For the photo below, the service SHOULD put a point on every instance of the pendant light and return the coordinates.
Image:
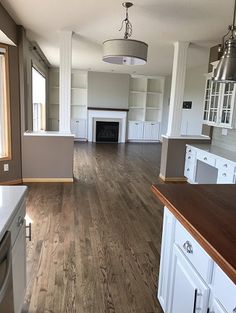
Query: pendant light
(125, 51)
(226, 69)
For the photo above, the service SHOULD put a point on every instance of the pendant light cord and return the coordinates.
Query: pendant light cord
(128, 25)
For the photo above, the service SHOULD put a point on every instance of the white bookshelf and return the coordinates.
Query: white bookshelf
(145, 106)
(79, 91)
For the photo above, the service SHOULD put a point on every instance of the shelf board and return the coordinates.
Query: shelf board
(139, 108)
(79, 105)
(137, 91)
(83, 88)
(153, 108)
(154, 93)
(53, 104)
(54, 87)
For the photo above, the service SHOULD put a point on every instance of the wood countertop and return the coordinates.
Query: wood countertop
(208, 212)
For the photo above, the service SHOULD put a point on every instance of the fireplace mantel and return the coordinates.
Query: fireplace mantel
(107, 109)
(107, 114)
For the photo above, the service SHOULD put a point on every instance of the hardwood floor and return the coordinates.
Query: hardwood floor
(96, 242)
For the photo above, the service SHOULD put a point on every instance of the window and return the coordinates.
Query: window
(5, 144)
(39, 99)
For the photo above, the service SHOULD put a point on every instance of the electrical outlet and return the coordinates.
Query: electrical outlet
(224, 131)
(6, 167)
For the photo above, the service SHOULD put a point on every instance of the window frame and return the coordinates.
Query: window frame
(8, 106)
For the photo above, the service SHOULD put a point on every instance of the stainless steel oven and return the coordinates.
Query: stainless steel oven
(6, 283)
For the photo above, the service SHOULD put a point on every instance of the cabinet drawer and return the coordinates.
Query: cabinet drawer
(17, 223)
(194, 252)
(224, 289)
(206, 158)
(225, 165)
(189, 170)
(225, 177)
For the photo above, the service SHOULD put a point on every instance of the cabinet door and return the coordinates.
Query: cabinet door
(227, 104)
(166, 257)
(78, 128)
(189, 292)
(207, 99)
(215, 98)
(19, 269)
(151, 131)
(216, 307)
(135, 130)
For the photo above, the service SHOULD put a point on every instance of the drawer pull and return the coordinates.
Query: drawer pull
(224, 174)
(225, 165)
(234, 310)
(189, 150)
(196, 294)
(188, 247)
(189, 157)
(136, 123)
(205, 159)
(188, 169)
(20, 221)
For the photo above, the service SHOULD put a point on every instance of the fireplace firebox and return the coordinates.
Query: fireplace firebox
(107, 131)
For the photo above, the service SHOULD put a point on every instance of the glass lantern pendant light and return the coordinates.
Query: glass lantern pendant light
(226, 69)
(125, 51)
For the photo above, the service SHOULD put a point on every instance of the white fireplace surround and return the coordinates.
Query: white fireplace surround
(107, 116)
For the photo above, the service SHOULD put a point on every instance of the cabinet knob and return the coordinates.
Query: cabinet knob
(234, 310)
(189, 157)
(188, 247)
(189, 150)
(225, 165)
(224, 174)
(188, 169)
(205, 159)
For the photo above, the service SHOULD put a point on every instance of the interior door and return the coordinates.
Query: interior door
(189, 292)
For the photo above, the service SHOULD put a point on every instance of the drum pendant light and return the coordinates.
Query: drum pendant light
(125, 51)
(226, 69)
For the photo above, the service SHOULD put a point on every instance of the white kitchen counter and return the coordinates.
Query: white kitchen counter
(10, 197)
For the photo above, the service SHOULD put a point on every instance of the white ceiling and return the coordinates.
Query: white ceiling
(157, 22)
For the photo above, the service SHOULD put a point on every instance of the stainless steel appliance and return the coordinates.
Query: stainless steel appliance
(6, 283)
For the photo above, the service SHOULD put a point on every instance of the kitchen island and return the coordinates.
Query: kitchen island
(12, 248)
(198, 256)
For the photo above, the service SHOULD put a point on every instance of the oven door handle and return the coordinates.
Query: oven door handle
(5, 254)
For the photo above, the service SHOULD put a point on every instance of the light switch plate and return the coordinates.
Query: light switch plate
(6, 167)
(224, 131)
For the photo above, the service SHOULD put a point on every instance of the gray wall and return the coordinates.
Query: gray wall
(8, 26)
(108, 90)
(47, 157)
(226, 142)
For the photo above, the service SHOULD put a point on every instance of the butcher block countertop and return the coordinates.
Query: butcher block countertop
(208, 212)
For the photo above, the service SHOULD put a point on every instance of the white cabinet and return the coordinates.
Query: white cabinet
(151, 131)
(165, 262)
(216, 307)
(189, 280)
(143, 131)
(79, 128)
(135, 130)
(219, 171)
(189, 292)
(219, 103)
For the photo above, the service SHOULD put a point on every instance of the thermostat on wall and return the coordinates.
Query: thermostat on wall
(187, 105)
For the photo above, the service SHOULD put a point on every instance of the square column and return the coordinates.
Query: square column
(177, 88)
(65, 81)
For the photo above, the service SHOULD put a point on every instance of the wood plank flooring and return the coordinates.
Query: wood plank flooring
(96, 242)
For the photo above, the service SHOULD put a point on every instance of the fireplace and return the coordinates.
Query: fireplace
(107, 131)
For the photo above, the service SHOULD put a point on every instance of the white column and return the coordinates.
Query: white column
(65, 81)
(177, 88)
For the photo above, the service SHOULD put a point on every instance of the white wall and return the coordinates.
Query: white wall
(108, 90)
(194, 91)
